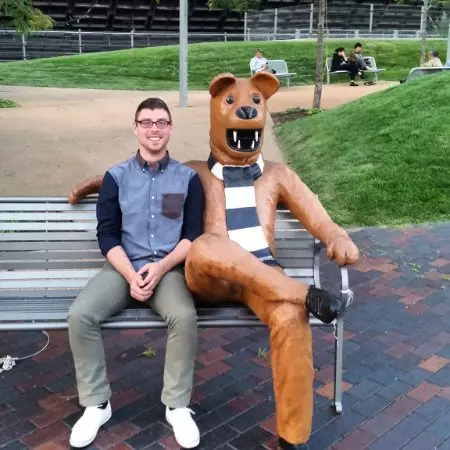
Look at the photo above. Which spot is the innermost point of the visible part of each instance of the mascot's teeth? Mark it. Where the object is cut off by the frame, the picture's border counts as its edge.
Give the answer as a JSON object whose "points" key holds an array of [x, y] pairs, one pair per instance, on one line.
{"points": [[253, 144], [239, 144], [256, 135], [235, 136]]}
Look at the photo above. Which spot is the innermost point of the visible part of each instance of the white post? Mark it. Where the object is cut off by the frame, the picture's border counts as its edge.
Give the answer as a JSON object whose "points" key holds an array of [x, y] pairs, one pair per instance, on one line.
{"points": [[275, 22], [80, 45], [356, 34], [311, 19], [395, 34], [245, 26], [132, 38], [24, 47], [183, 53], [371, 18], [448, 43], [248, 34], [297, 33], [225, 36]]}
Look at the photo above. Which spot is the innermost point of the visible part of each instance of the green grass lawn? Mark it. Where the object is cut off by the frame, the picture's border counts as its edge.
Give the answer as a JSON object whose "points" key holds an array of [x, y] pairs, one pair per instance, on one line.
{"points": [[156, 68], [7, 103], [381, 160]]}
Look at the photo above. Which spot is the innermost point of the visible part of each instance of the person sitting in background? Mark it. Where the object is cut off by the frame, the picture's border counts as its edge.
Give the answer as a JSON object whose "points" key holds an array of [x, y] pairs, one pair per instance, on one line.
{"points": [[356, 57], [258, 63], [339, 62], [433, 59]]}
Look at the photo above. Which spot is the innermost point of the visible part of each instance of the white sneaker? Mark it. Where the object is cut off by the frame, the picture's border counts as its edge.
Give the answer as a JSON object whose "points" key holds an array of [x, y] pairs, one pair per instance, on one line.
{"points": [[86, 429], [184, 428]]}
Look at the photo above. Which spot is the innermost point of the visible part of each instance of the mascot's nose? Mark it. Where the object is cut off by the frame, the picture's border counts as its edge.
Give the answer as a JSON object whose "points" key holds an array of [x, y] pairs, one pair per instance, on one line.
{"points": [[246, 112]]}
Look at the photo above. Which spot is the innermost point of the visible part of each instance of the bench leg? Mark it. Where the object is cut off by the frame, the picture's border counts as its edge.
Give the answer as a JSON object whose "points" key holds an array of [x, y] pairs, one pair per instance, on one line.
{"points": [[337, 403], [288, 82], [328, 77]]}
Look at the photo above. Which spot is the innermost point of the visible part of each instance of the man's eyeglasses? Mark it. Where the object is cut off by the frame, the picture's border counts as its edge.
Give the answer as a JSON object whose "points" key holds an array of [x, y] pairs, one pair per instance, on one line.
{"points": [[148, 123]]}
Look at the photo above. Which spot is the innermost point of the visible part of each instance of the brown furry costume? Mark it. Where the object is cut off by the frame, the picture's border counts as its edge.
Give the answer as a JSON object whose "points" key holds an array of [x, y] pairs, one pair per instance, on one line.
{"points": [[218, 269]]}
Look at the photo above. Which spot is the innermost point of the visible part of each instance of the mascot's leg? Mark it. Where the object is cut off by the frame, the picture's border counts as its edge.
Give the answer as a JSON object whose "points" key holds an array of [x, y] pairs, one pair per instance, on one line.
{"points": [[213, 257], [292, 367], [216, 257]]}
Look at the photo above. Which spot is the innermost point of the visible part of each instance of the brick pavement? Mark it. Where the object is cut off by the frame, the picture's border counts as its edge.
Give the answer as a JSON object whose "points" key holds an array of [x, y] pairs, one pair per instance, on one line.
{"points": [[397, 368]]}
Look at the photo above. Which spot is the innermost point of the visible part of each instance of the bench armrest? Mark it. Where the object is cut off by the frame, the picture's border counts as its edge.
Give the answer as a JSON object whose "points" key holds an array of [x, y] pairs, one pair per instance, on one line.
{"points": [[345, 292]]}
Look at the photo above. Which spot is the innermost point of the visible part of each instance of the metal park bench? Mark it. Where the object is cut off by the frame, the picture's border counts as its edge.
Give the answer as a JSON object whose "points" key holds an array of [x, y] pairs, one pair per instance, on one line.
{"points": [[419, 72], [49, 251], [373, 69], [281, 69]]}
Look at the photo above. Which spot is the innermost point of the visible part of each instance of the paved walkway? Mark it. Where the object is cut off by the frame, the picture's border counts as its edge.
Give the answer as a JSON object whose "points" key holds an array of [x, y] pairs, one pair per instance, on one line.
{"points": [[65, 135], [397, 372]]}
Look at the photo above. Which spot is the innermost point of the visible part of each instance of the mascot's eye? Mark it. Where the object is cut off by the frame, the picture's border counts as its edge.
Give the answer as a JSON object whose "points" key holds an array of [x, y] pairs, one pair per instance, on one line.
{"points": [[256, 98], [230, 99]]}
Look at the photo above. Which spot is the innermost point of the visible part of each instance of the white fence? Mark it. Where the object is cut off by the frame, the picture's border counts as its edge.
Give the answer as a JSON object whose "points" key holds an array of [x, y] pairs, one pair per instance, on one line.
{"points": [[44, 44]]}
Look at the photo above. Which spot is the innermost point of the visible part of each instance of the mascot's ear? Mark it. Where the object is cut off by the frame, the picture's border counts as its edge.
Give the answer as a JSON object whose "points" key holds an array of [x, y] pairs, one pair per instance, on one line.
{"points": [[220, 82], [266, 83]]}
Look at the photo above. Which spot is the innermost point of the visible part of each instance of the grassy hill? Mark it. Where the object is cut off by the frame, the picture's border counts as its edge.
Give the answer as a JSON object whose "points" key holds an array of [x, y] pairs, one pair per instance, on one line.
{"points": [[381, 160], [157, 68]]}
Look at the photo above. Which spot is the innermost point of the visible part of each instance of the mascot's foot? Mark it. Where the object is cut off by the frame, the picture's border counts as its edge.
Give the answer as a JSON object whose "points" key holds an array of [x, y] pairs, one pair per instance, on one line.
{"points": [[284, 445], [323, 305]]}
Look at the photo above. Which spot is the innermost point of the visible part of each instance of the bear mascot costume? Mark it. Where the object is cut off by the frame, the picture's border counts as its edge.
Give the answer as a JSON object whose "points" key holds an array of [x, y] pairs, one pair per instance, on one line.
{"points": [[234, 258]]}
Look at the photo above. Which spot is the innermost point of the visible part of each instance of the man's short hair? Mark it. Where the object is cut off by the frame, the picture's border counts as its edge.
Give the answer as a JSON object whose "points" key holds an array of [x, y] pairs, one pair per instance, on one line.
{"points": [[340, 49], [434, 52], [153, 103], [259, 50], [358, 44]]}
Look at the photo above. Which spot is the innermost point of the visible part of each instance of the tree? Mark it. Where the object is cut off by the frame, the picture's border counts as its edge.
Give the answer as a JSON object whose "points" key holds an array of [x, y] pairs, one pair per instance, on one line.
{"points": [[319, 55], [21, 15], [237, 5]]}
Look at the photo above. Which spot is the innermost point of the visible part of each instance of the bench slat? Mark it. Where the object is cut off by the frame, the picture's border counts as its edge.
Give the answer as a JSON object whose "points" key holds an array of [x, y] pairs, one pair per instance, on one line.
{"points": [[41, 216], [41, 265], [48, 207], [47, 274], [47, 226], [65, 245], [43, 255], [52, 236], [281, 244]]}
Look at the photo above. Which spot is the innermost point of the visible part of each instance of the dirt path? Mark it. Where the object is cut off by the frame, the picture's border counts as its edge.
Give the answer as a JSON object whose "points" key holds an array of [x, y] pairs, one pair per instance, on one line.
{"points": [[60, 136]]}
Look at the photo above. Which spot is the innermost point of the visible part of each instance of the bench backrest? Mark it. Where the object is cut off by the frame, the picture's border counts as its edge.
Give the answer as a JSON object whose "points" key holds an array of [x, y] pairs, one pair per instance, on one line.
{"points": [[279, 65], [371, 59], [418, 72], [49, 247]]}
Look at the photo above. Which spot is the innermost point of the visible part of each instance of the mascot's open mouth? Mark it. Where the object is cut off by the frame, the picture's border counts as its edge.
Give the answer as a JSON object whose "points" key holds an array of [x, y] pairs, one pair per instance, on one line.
{"points": [[244, 140]]}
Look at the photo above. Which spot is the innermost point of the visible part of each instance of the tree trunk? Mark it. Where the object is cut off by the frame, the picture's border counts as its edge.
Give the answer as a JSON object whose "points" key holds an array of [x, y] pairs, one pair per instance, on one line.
{"points": [[319, 55], [423, 30]]}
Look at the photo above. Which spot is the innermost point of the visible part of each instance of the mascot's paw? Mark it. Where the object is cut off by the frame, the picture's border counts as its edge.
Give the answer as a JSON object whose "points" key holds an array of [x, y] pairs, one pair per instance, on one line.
{"points": [[343, 250], [323, 305], [284, 445]]}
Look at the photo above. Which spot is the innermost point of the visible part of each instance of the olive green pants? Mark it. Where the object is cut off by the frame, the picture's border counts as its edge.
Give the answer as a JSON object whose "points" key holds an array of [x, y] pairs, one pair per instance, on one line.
{"points": [[105, 295]]}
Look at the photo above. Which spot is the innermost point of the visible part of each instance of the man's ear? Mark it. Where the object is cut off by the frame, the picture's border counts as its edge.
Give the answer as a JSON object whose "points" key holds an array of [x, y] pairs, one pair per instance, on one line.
{"points": [[220, 82], [266, 83]]}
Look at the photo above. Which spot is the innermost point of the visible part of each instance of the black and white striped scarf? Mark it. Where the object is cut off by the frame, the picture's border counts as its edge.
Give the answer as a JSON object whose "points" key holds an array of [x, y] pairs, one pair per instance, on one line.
{"points": [[242, 219]]}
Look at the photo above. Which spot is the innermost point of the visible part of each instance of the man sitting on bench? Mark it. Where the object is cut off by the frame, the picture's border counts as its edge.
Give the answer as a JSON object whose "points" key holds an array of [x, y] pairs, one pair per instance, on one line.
{"points": [[357, 58], [258, 63], [149, 210]]}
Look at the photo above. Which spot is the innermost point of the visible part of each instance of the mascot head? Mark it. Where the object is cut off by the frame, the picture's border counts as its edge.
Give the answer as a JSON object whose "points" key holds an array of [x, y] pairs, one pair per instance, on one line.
{"points": [[238, 115]]}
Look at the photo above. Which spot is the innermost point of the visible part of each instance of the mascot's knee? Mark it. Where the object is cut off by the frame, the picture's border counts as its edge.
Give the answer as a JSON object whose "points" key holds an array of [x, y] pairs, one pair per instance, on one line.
{"points": [[287, 315]]}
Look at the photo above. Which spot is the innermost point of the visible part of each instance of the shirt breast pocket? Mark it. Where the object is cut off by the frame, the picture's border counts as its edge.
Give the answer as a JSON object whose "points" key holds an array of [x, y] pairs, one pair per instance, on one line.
{"points": [[172, 205]]}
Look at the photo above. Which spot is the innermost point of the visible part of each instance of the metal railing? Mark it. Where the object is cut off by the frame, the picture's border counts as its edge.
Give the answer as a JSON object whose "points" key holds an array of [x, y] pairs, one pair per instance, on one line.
{"points": [[44, 44]]}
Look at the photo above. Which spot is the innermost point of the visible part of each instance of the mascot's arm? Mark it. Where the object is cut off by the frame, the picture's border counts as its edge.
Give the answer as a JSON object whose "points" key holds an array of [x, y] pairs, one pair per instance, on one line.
{"points": [[84, 188], [306, 207]]}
